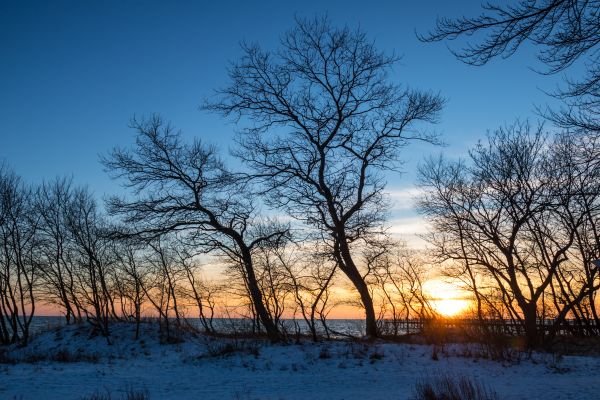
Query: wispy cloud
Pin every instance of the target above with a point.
(408, 229)
(404, 198)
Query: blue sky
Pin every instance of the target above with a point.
(72, 74)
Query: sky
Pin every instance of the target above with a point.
(73, 74)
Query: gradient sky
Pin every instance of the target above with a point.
(73, 73)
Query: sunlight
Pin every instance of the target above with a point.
(450, 307)
(446, 299)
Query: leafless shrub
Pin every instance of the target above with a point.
(62, 355)
(435, 332)
(501, 347)
(222, 348)
(130, 394)
(452, 388)
(97, 396)
(324, 353)
(5, 358)
(376, 355)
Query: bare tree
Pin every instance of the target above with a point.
(310, 272)
(186, 187)
(576, 175)
(336, 120)
(397, 275)
(93, 264)
(506, 216)
(272, 266)
(18, 260)
(565, 31)
(165, 286)
(200, 291)
(57, 265)
(131, 278)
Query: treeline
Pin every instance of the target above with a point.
(60, 249)
(516, 223)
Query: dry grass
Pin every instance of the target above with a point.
(452, 388)
(130, 394)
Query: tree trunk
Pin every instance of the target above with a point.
(261, 311)
(530, 320)
(351, 271)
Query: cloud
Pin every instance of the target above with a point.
(404, 198)
(408, 229)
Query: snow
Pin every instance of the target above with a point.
(197, 369)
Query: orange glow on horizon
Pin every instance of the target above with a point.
(447, 299)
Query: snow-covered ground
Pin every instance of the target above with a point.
(206, 368)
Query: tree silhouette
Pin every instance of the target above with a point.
(182, 187)
(514, 216)
(565, 31)
(326, 120)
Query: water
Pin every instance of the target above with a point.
(338, 327)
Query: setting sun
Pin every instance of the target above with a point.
(450, 307)
(446, 299)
